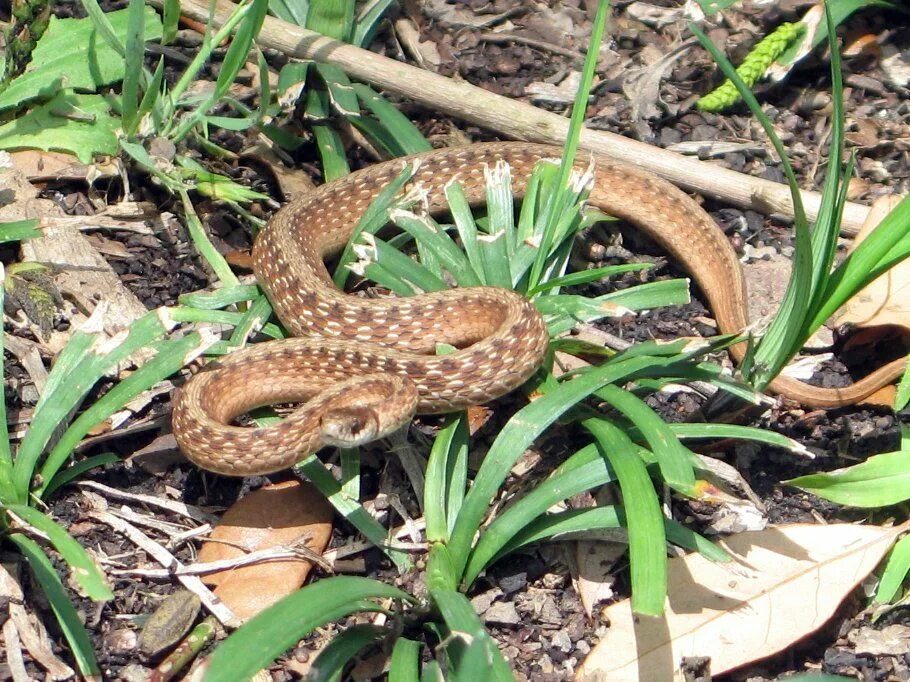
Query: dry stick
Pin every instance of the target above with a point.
(523, 121)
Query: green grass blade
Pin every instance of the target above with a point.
(71, 473)
(572, 522)
(495, 256)
(782, 336)
(291, 11)
(445, 478)
(896, 569)
(517, 435)
(750, 433)
(152, 98)
(171, 12)
(903, 390)
(17, 230)
(252, 321)
(407, 138)
(466, 227)
(340, 90)
(8, 490)
(269, 634)
(460, 618)
(204, 245)
(374, 218)
(220, 298)
(369, 21)
(571, 146)
(67, 617)
(587, 276)
(644, 521)
(405, 663)
(674, 459)
(863, 263)
(880, 481)
(233, 62)
(342, 650)
(86, 574)
(103, 25)
(133, 57)
(71, 381)
(408, 275)
(511, 522)
(353, 512)
(433, 238)
(332, 18)
(171, 356)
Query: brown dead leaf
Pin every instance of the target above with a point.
(273, 516)
(787, 582)
(887, 300)
(39, 165)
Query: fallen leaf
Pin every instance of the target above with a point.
(273, 516)
(788, 581)
(886, 301)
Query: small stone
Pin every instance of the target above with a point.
(482, 602)
(121, 641)
(502, 613)
(561, 641)
(513, 583)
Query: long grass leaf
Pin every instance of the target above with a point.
(71, 473)
(282, 625)
(133, 58)
(342, 650)
(574, 522)
(444, 485)
(8, 491)
(512, 521)
(404, 665)
(518, 434)
(644, 521)
(86, 574)
(406, 135)
(171, 356)
(351, 510)
(67, 617)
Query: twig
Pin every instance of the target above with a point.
(215, 606)
(543, 46)
(297, 551)
(523, 121)
(181, 508)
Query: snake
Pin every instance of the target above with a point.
(361, 368)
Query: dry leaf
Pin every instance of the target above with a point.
(887, 300)
(273, 516)
(788, 581)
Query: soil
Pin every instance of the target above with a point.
(533, 610)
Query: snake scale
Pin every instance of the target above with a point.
(363, 367)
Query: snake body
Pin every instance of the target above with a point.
(363, 367)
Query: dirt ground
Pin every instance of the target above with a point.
(529, 600)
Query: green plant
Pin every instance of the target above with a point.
(786, 45)
(815, 290)
(41, 463)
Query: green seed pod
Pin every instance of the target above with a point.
(753, 67)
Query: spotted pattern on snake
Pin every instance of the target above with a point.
(363, 367)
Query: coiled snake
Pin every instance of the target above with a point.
(363, 367)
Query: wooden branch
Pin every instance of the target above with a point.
(518, 120)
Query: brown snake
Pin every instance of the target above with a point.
(364, 366)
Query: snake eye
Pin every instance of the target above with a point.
(349, 426)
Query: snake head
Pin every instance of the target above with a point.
(347, 427)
